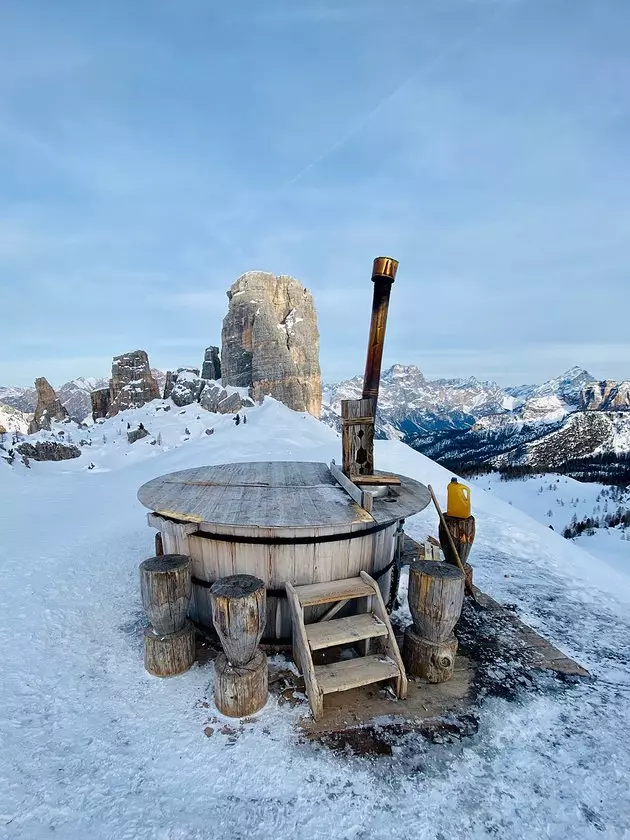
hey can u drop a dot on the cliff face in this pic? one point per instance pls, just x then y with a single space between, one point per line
271 341
48 406
606 395
132 383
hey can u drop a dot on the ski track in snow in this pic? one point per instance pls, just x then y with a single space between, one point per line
93 747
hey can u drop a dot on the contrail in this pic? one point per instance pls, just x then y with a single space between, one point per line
501 9
436 59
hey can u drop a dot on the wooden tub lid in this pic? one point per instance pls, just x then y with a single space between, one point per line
273 494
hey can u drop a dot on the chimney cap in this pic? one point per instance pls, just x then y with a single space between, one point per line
385 267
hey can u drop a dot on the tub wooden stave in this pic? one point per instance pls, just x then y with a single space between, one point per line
339 556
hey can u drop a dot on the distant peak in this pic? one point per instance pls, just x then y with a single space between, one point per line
398 370
576 372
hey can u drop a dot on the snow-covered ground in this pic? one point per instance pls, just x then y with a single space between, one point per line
557 500
93 747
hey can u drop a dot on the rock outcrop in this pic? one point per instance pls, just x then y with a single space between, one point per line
211 368
187 386
607 395
271 341
47 450
137 434
221 401
132 383
100 400
48 407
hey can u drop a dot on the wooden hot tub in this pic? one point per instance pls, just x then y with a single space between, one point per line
279 521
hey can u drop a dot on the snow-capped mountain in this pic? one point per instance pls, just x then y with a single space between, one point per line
410 404
24 399
75 396
464 423
566 387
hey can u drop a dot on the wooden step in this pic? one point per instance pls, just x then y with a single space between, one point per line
334 590
344 631
352 673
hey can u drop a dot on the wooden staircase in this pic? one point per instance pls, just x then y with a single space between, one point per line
330 632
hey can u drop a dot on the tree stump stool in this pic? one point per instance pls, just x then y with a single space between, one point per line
170 654
463 533
436 596
238 614
166 588
240 690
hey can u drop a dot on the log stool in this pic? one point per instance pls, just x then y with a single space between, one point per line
463 533
436 595
238 614
166 587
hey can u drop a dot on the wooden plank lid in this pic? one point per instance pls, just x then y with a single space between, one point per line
273 495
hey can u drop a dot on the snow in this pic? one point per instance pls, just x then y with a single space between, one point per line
93 747
554 500
13 420
610 545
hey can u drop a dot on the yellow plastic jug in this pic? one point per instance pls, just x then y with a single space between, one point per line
458 499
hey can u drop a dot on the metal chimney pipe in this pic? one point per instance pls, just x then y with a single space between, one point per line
383 275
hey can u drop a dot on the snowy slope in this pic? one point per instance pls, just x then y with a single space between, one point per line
557 500
92 747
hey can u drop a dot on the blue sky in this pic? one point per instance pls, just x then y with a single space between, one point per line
152 151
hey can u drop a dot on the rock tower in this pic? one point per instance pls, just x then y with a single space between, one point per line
132 383
48 407
271 341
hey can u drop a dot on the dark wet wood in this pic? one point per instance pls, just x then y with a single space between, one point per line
434 661
463 534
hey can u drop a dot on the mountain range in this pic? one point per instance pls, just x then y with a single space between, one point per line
571 422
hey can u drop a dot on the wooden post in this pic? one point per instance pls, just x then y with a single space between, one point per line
436 595
170 654
357 437
463 533
166 587
238 614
